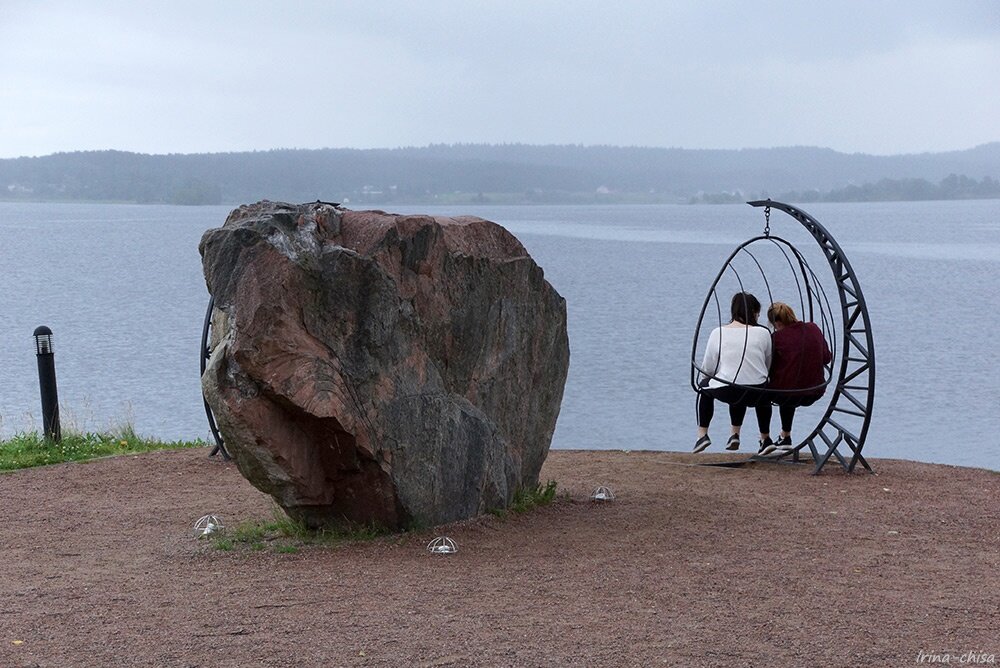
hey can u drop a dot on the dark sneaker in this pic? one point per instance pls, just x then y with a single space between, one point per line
734 442
702 443
766 447
783 446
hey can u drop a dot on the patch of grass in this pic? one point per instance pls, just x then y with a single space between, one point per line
27 449
223 544
526 499
288 536
283 532
249 532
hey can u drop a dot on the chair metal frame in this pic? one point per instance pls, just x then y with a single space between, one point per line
854 390
206 353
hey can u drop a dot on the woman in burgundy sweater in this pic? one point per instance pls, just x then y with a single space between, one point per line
799 354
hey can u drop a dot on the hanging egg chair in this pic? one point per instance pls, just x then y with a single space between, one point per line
775 268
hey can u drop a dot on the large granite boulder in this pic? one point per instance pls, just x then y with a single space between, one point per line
379 368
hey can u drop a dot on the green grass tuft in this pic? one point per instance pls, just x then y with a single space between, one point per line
223 544
526 499
283 532
27 449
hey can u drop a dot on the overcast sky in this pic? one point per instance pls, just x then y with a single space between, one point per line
206 76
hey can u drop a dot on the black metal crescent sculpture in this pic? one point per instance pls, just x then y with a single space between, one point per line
206 353
854 385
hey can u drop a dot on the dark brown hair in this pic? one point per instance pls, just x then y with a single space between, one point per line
745 308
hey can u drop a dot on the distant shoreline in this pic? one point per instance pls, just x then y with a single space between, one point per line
504 174
582 199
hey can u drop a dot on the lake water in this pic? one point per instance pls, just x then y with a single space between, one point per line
122 289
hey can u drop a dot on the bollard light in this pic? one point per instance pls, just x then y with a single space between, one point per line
43 341
47 383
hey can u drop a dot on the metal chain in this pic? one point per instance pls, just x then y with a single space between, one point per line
767 221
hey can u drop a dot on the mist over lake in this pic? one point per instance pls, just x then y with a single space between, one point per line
121 288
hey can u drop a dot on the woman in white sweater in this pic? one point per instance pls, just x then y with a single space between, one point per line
735 367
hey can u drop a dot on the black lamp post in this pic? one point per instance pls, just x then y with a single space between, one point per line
47 383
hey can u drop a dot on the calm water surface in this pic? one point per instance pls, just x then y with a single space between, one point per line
121 287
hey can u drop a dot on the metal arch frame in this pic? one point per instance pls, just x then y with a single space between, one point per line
206 352
856 379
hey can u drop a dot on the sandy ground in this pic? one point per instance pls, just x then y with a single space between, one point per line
690 566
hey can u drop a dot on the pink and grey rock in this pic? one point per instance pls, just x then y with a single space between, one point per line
378 368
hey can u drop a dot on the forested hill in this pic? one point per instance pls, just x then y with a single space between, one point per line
502 173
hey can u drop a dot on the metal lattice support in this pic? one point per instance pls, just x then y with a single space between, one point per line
206 353
854 392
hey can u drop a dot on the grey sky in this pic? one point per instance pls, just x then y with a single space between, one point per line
181 76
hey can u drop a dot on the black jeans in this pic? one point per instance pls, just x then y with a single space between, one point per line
787 403
738 398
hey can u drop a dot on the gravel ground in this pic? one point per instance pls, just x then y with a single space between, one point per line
763 565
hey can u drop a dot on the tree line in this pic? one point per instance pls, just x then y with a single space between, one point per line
953 186
506 173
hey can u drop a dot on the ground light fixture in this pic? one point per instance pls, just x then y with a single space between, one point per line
602 495
208 526
442 545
